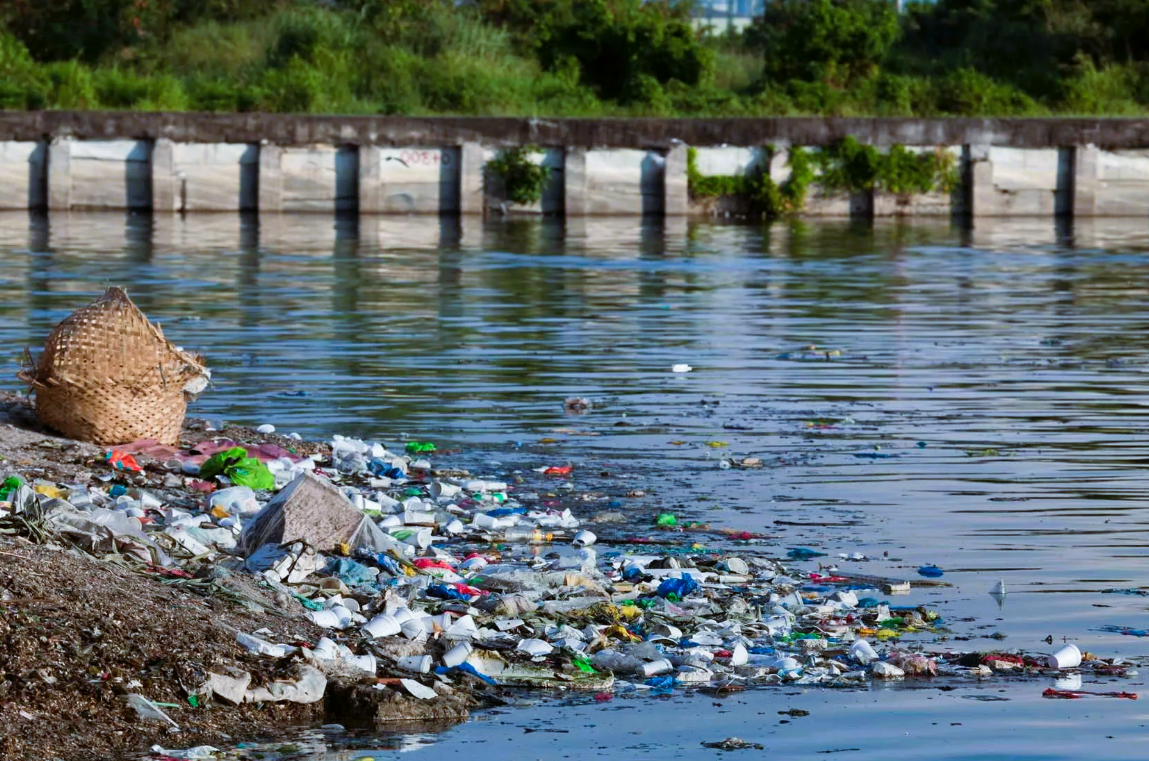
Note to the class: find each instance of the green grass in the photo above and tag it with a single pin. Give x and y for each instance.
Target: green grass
(302, 58)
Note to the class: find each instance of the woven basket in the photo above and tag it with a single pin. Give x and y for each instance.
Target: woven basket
(109, 376)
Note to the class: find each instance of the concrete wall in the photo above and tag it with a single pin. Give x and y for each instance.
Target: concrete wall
(23, 175)
(99, 174)
(641, 134)
(614, 181)
(414, 180)
(385, 165)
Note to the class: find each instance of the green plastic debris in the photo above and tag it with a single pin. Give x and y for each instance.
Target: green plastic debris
(666, 519)
(420, 447)
(10, 485)
(239, 468)
(309, 604)
(583, 665)
(193, 701)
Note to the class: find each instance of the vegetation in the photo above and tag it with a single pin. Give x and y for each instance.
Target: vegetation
(763, 197)
(521, 179)
(577, 57)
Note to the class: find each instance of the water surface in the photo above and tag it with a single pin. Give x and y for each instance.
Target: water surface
(991, 379)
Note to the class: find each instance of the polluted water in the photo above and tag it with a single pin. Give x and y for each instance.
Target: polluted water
(891, 399)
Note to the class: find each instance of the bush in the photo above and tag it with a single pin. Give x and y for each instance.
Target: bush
(967, 92)
(620, 46)
(522, 180)
(836, 41)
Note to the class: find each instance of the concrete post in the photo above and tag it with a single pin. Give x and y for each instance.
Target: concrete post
(270, 178)
(983, 197)
(370, 189)
(675, 194)
(60, 174)
(574, 182)
(1085, 181)
(166, 195)
(471, 178)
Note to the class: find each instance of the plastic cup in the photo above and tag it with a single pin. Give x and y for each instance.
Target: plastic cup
(1067, 657)
(419, 664)
(382, 626)
(482, 520)
(654, 668)
(362, 662)
(459, 654)
(415, 629)
(584, 539)
(328, 619)
(440, 490)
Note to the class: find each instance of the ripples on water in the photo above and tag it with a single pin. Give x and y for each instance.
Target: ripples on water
(1001, 368)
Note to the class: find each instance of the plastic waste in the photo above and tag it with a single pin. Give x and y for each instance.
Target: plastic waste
(677, 589)
(149, 711)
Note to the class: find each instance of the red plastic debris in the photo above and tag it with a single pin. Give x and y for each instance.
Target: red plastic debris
(425, 563)
(558, 470)
(121, 460)
(1078, 694)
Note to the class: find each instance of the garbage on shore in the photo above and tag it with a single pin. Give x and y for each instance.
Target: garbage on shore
(425, 579)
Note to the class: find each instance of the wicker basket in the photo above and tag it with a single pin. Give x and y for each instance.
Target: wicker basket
(109, 376)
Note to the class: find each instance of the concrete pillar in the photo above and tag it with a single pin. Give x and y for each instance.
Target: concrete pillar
(370, 187)
(166, 191)
(471, 178)
(675, 196)
(983, 197)
(574, 182)
(270, 178)
(1085, 181)
(60, 174)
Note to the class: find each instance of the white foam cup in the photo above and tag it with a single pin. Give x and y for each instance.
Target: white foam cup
(457, 654)
(382, 626)
(328, 619)
(1067, 657)
(654, 668)
(440, 490)
(419, 664)
(584, 539)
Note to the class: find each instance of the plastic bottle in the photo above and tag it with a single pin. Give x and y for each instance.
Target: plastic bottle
(527, 534)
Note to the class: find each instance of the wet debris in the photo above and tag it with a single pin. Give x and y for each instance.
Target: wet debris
(734, 743)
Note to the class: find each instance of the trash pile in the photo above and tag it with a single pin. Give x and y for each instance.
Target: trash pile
(428, 580)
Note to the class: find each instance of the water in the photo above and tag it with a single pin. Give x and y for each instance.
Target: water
(997, 374)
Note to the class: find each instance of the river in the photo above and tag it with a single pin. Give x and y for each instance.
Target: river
(920, 393)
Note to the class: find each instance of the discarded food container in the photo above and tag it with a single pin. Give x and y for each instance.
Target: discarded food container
(655, 668)
(584, 539)
(457, 654)
(107, 375)
(380, 626)
(444, 491)
(1068, 657)
(419, 664)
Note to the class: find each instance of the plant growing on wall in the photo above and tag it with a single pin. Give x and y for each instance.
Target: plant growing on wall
(765, 198)
(849, 166)
(523, 180)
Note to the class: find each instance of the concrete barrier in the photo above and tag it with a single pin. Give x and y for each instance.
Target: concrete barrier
(600, 167)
